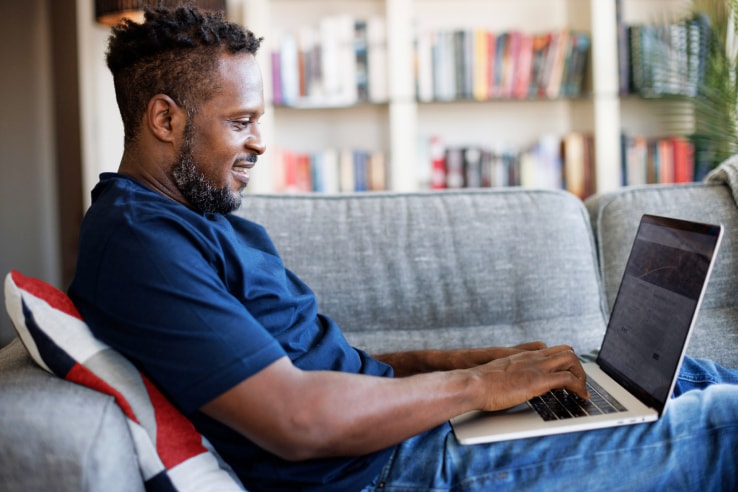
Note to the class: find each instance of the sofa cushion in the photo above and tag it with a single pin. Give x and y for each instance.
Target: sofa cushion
(443, 269)
(171, 453)
(615, 217)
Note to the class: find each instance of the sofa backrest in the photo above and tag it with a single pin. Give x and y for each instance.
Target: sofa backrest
(615, 217)
(442, 269)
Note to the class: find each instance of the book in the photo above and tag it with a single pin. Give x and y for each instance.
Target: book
(509, 64)
(499, 67)
(277, 99)
(665, 161)
(347, 63)
(424, 68)
(330, 182)
(574, 155)
(524, 67)
(290, 78)
(481, 65)
(561, 49)
(683, 160)
(346, 172)
(541, 43)
(454, 167)
(303, 173)
(472, 162)
(377, 174)
(491, 64)
(578, 166)
(438, 163)
(361, 54)
(330, 64)
(361, 170)
(464, 43)
(377, 66)
(573, 79)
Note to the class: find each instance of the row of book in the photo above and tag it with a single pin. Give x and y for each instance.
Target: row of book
(663, 160)
(330, 171)
(479, 64)
(550, 163)
(341, 61)
(666, 59)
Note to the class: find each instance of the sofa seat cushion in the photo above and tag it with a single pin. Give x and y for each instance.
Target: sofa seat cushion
(172, 455)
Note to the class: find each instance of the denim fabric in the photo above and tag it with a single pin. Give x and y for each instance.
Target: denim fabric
(692, 447)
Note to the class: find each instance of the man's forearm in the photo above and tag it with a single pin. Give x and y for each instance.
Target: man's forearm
(422, 361)
(301, 415)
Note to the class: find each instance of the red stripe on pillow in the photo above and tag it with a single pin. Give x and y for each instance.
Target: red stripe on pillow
(177, 440)
(81, 375)
(47, 292)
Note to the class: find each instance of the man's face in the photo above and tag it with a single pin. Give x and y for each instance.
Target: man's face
(221, 142)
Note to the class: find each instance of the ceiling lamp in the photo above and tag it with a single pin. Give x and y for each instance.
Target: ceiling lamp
(110, 12)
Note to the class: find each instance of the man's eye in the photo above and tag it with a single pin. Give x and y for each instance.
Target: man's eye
(241, 124)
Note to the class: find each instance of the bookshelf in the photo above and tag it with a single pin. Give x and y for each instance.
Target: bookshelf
(657, 122)
(401, 125)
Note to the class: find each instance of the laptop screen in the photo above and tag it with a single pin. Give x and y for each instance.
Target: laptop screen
(659, 295)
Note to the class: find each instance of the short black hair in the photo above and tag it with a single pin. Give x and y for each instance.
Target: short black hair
(174, 51)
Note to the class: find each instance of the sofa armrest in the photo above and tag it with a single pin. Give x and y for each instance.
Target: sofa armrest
(615, 217)
(56, 435)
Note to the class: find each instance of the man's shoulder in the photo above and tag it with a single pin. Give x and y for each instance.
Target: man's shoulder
(120, 195)
(125, 212)
(120, 202)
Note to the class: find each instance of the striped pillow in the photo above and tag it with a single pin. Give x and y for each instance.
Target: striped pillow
(172, 455)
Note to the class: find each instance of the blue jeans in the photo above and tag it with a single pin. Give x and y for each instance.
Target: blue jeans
(694, 446)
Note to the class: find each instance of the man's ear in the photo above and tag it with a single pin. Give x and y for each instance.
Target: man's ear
(166, 120)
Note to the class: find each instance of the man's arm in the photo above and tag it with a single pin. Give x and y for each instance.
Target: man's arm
(301, 415)
(421, 361)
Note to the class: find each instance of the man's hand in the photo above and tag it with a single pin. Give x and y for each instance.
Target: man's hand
(420, 361)
(519, 377)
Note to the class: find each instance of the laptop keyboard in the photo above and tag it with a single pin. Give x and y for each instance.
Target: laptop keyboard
(560, 404)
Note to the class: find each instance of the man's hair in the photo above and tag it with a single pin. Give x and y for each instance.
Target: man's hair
(175, 51)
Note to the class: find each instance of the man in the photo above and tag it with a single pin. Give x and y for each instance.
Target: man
(201, 301)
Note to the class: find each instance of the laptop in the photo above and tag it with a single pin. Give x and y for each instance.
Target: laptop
(636, 369)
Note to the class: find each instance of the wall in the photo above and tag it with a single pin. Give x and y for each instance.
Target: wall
(28, 222)
(102, 129)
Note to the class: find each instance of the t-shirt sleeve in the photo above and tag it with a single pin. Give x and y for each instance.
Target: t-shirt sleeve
(171, 311)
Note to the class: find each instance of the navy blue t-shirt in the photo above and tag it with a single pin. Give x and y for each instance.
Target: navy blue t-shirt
(201, 302)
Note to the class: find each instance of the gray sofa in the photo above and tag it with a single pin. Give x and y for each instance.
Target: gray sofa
(401, 271)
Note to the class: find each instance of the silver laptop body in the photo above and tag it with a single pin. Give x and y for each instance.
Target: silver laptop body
(651, 321)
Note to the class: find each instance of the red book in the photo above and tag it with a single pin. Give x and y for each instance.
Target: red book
(683, 160)
(438, 163)
(303, 175)
(491, 54)
(290, 171)
(524, 67)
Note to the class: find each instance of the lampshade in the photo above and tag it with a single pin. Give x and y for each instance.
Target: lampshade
(110, 12)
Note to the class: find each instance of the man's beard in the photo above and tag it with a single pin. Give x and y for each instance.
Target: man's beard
(199, 192)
